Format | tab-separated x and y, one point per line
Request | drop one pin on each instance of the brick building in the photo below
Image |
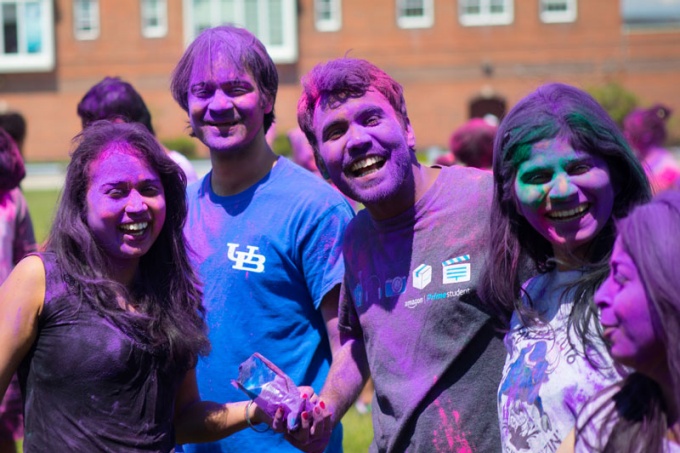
455	58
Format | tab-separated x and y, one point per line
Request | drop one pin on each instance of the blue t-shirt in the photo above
267	257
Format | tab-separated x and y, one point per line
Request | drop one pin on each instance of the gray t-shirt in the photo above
434	355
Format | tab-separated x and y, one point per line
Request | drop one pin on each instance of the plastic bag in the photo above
271	388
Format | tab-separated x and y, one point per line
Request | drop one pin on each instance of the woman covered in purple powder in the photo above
639	306
562	173
105	327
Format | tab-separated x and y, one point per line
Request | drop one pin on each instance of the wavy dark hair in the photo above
554	111
639	415
241	48
168	315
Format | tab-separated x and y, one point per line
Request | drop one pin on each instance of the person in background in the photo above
113	98
563	173
16	241
472	144
267	234
14	124
639	306
645	130
106	325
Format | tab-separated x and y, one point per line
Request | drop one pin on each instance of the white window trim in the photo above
160	30
41	62
485	17
554	17
332	24
288	53
85	35
425	21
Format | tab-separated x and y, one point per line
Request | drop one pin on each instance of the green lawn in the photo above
358	429
42	205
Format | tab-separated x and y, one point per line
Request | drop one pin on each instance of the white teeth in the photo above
569	212
134	227
365	163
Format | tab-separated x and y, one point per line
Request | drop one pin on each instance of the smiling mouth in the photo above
569	214
366	166
134	229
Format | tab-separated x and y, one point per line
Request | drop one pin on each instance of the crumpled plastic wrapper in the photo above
271	388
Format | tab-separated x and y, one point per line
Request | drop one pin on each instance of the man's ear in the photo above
266	104
410	135
321	165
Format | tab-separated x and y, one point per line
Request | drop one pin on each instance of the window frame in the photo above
23	60
557	17
86	35
485	17
334	22
424	21
161	12
285	53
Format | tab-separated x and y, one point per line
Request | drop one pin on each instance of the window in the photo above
485	12
650	15
154	18
86	19
27	38
327	15
415	13
274	22
555	11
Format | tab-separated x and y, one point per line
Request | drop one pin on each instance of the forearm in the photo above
206	421
346	378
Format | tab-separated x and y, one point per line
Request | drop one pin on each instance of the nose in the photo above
602	295
135	203
357	138
221	101
562	187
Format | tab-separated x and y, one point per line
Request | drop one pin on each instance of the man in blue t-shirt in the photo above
266	235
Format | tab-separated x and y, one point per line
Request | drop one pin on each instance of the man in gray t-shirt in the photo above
408	314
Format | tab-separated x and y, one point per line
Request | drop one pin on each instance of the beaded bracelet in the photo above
251	423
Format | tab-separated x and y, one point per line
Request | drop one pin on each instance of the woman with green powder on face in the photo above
562	173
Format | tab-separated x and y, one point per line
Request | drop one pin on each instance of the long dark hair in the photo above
168	315
639	415
554	110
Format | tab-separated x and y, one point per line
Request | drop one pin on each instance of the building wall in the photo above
442	68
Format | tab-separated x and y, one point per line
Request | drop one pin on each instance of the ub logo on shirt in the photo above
246	261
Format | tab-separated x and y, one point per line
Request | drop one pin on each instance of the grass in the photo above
358	428
42	206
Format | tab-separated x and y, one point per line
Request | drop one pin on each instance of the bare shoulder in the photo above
25	286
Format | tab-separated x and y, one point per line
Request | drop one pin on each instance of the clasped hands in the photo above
313	432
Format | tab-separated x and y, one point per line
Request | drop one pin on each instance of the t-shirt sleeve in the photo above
322	260
24	239
591	420
348	319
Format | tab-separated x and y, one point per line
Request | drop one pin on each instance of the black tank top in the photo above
88	386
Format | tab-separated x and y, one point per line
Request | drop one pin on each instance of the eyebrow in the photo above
366	110
125	182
